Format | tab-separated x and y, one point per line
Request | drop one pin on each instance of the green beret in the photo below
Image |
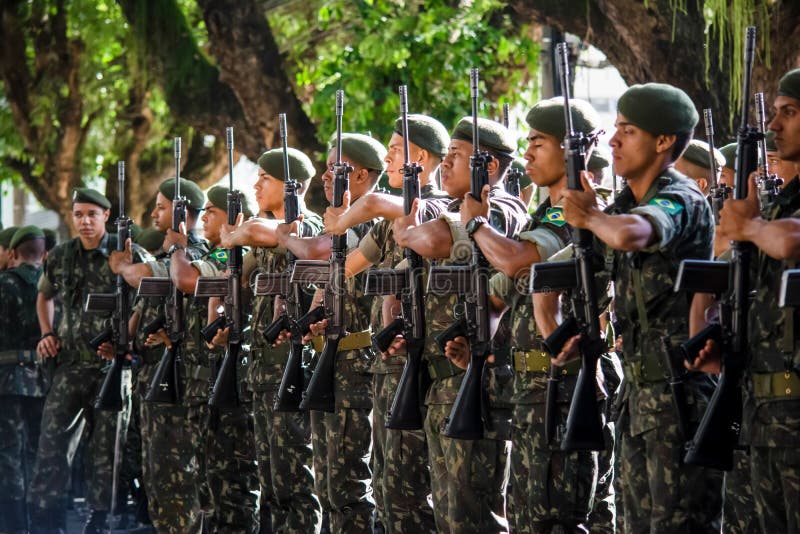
491	135
519	165
218	196
150	239
697	152
729	155
425	132
300	166
599	160
548	117
6	235
658	108
363	150
771	147
50	238
789	85
194	196
26	233
90	196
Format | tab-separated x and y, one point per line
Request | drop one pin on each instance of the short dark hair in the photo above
681	142
31	250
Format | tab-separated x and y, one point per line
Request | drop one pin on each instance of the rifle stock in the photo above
790	289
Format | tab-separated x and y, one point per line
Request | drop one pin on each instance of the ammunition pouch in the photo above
353	341
648	370
538	361
781	385
440	368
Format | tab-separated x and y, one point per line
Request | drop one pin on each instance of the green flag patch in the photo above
555	216
220	255
667	205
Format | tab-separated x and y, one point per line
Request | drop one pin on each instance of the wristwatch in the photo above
475	223
173	248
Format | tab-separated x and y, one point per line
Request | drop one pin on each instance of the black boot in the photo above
96	523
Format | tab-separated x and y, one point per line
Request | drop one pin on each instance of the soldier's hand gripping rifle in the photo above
319	394
769	185
115	393
717	192
470	282
514	175
278	284
584	427
718	433
405	412
167	384
225	392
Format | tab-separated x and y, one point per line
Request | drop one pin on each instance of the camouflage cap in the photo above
789	84
771	146
599	160
547	117
90	196
194	196
658	108
728	155
150	239
697	153
300	166
425	132
363	150
491	135
25	233
50	238
218	196
6	235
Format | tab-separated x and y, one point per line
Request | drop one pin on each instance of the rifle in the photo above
319	393
278	284
405	412
167	384
513	175
717	192
225	392
471	281
584	428
115	392
718	433
769	185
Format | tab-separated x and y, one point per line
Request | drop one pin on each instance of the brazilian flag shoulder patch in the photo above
220	255
555	216
670	206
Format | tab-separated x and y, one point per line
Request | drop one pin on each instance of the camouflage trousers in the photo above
67	412
660	492
468	478
20	422
283	448
341	443
551	490
400	475
775	474
170	468
737	512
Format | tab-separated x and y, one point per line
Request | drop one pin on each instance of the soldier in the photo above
783	169
400	475
694	163
468	477
283	439
173	458
5	249
72	271
224	434
729	160
341	439
22	384
659	219
772	385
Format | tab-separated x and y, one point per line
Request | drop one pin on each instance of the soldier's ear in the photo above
494	165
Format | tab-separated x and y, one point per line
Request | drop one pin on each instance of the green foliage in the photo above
370	47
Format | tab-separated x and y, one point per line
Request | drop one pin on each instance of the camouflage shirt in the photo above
770	419
508	216
684	229
19	332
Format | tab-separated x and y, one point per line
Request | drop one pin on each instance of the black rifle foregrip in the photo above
155	325
104	335
555	341
210	330
275	328
383	339
458	328
692	347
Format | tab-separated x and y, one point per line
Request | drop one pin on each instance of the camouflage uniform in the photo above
22	390
400	475
660	494
283	439
771	422
551	490
341	439
73	272
468	477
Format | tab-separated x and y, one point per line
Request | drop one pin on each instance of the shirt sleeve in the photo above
46	287
160	268
546	241
504	288
371	246
665	213
206	268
